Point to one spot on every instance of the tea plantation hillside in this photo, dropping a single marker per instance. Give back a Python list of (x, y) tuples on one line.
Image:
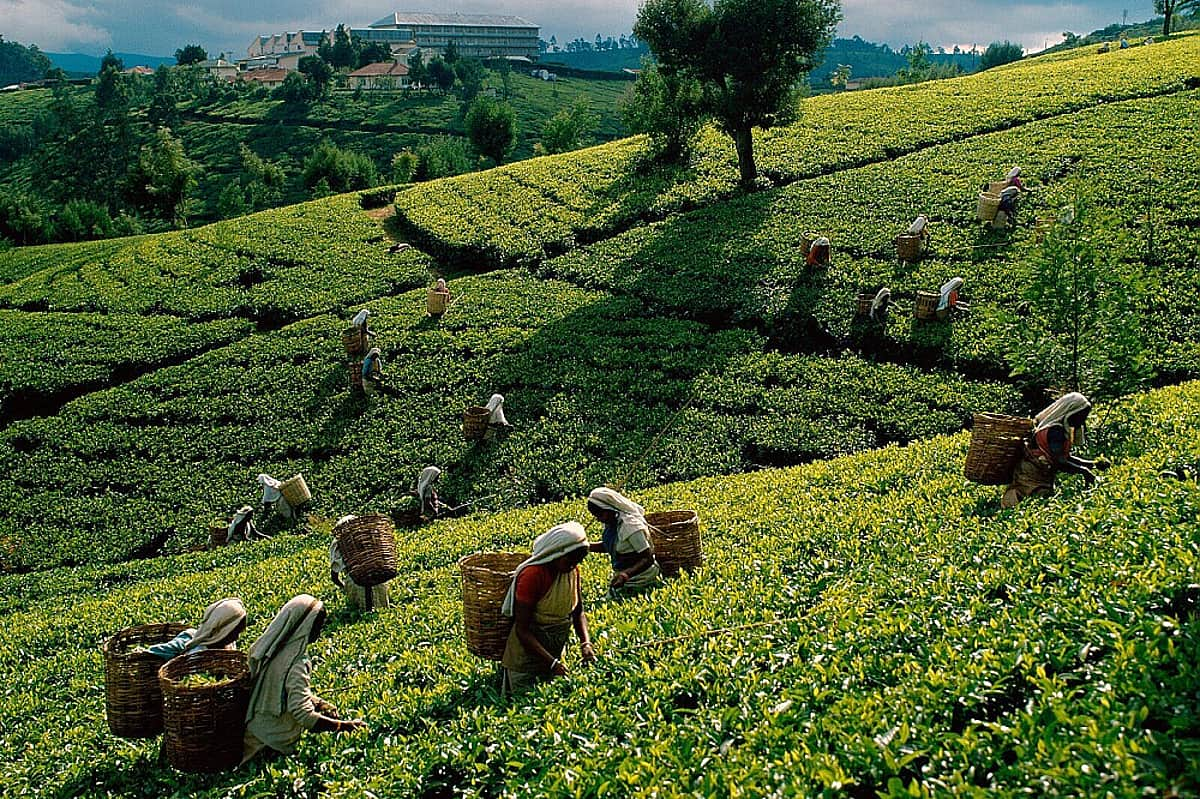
[(668, 351), (893, 634)]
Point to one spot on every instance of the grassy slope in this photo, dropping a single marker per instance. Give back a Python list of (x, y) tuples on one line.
[(922, 640)]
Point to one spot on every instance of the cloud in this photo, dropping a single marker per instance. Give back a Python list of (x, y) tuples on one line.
[(52, 25), (156, 27)]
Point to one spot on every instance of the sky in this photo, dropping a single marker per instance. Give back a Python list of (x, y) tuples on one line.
[(155, 27)]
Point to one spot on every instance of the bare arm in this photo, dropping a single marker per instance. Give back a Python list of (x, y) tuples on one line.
[(581, 630)]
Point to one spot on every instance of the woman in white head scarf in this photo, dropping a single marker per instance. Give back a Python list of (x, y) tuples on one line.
[(495, 407), (1013, 178), (881, 303), (359, 597), (282, 704), (626, 540), (360, 321), (545, 601), (223, 621), (918, 226), (949, 294), (427, 490), (1048, 450), (271, 496), (241, 526)]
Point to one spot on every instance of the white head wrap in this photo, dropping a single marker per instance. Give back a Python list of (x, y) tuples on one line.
[(425, 481), (495, 406), (918, 225), (550, 545), (239, 517), (1060, 410), (951, 285), (440, 285), (629, 513), (882, 298), (273, 655), (270, 488), (220, 619), (360, 318), (1015, 172), (823, 241)]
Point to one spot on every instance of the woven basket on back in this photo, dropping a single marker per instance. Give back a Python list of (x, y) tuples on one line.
[(355, 371), (435, 303), (675, 537), (996, 443), (997, 186), (368, 545), (926, 305), (806, 242), (988, 205), (295, 490), (204, 724), (132, 699), (909, 247), (353, 341), (218, 533), (486, 577), (475, 422), (863, 304)]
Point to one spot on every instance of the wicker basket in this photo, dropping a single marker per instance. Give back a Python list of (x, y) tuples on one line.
[(356, 378), (806, 242), (435, 303), (996, 443), (475, 422), (989, 204), (353, 341), (205, 724), (486, 577), (926, 305), (368, 544), (218, 533), (909, 247), (132, 699), (295, 491), (997, 186), (675, 536), (863, 304)]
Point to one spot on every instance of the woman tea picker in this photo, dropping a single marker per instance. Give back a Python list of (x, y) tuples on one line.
[(1048, 451), (545, 601), (223, 621), (626, 540), (282, 704), (359, 597)]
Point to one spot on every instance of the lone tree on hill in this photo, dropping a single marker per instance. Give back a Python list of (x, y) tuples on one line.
[(190, 54), (748, 55), (492, 127), (998, 53), (1169, 8)]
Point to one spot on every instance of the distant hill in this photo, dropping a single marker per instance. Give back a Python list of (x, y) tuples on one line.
[(90, 64)]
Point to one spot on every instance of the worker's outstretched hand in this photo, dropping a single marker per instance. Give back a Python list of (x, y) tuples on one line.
[(559, 670), (351, 725), (1103, 464), (589, 654)]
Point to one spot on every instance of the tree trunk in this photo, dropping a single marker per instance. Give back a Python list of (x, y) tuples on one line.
[(1167, 22), (743, 140)]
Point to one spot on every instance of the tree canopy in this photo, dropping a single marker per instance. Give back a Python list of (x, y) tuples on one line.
[(190, 54), (748, 55), (492, 127), (20, 63), (999, 53)]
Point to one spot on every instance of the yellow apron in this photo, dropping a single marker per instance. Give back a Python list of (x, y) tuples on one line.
[(551, 626)]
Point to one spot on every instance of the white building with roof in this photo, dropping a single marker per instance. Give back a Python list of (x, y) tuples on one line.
[(473, 35)]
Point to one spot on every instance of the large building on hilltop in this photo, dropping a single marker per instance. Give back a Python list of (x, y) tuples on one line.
[(473, 35)]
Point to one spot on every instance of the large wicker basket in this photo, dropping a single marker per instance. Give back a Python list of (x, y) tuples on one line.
[(675, 536), (988, 205), (435, 303), (218, 533), (806, 242), (996, 443), (295, 490), (475, 422), (354, 341), (863, 305), (997, 186), (205, 724), (132, 699), (355, 372), (926, 305), (486, 577), (909, 247), (368, 545)]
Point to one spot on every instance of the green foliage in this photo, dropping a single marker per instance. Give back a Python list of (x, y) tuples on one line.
[(569, 129), (440, 74), (492, 127), (19, 63), (162, 178), (319, 74), (404, 166), (443, 156), (667, 105), (998, 53), (748, 56), (81, 220), (190, 54), (1170, 9), (23, 218), (341, 170), (1082, 328), (294, 90)]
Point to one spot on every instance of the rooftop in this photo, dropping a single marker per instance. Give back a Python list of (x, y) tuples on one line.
[(383, 68), (478, 20)]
